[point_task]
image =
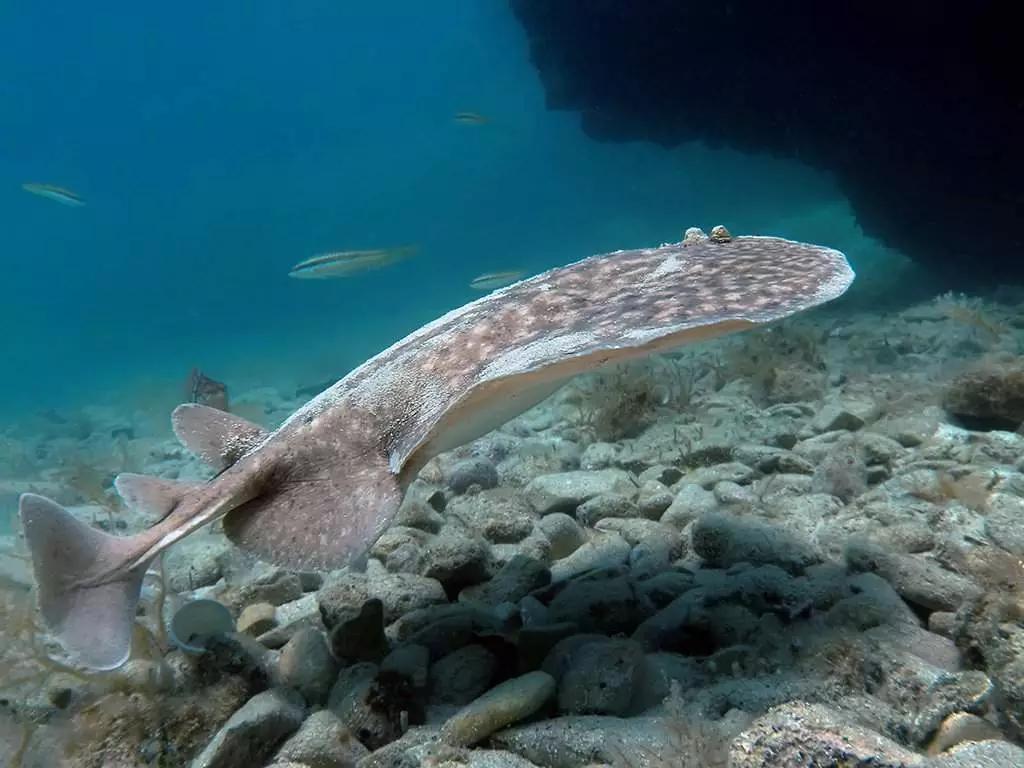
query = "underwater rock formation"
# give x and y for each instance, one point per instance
(913, 107)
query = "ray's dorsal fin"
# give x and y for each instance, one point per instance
(153, 496)
(217, 437)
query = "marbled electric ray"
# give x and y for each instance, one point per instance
(318, 491)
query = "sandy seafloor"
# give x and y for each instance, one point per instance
(797, 546)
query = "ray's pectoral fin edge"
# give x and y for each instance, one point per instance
(321, 519)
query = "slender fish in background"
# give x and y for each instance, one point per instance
(316, 493)
(344, 263)
(61, 195)
(491, 280)
(471, 118)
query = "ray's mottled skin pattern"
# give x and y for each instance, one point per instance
(319, 491)
(616, 300)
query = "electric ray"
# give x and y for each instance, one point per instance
(317, 492)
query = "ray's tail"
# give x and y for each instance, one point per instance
(93, 620)
(88, 582)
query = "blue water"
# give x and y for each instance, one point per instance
(217, 144)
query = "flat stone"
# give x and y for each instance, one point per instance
(564, 491)
(257, 618)
(812, 734)
(323, 741)
(251, 735)
(503, 705)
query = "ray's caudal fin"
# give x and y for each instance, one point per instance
(93, 619)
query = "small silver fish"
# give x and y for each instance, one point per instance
(344, 263)
(471, 118)
(61, 195)
(488, 281)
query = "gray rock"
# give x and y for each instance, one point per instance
(399, 592)
(445, 628)
(960, 727)
(477, 471)
(500, 516)
(411, 662)
(277, 588)
(664, 629)
(651, 557)
(359, 635)
(603, 551)
(662, 677)
(405, 592)
(771, 459)
(653, 499)
(399, 548)
(599, 456)
(662, 588)
(565, 491)
(251, 735)
(969, 691)
(533, 612)
(917, 579)
(842, 473)
(563, 532)
(642, 531)
(194, 563)
(291, 618)
(812, 734)
(257, 619)
(456, 561)
(605, 606)
(1000, 642)
(690, 502)
(730, 494)
(848, 413)
(986, 754)
(535, 643)
(461, 676)
(575, 740)
(564, 652)
(724, 540)
(520, 576)
(444, 754)
(307, 666)
(942, 623)
(660, 473)
(503, 705)
(605, 505)
(601, 679)
(1004, 522)
(872, 603)
(534, 547)
(418, 513)
(935, 649)
(708, 477)
(405, 558)
(367, 707)
(879, 449)
(238, 654)
(323, 741)
(817, 447)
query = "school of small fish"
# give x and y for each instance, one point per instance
(335, 264)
